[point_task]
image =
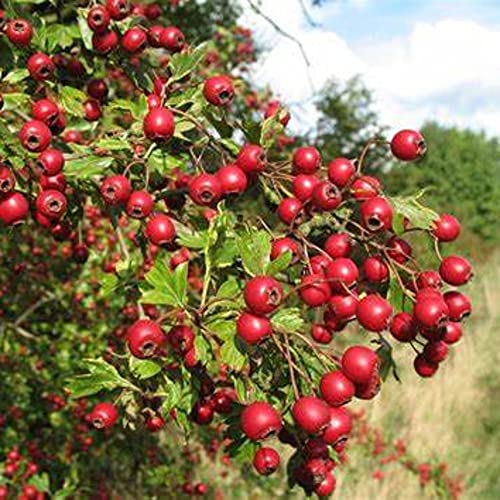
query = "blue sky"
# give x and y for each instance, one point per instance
(422, 59)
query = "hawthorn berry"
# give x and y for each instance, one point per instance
(172, 39)
(303, 186)
(459, 305)
(336, 389)
(144, 338)
(251, 159)
(259, 420)
(45, 111)
(40, 66)
(116, 189)
(19, 32)
(374, 313)
(339, 426)
(359, 364)
(314, 290)
(160, 229)
(424, 367)
(431, 312)
(403, 327)
(181, 338)
(455, 270)
(376, 214)
(366, 187)
(98, 18)
(321, 334)
(105, 42)
(51, 161)
(435, 351)
(139, 204)
(205, 189)
(399, 250)
(14, 208)
(7, 180)
(311, 414)
(35, 136)
(251, 328)
(343, 306)
(446, 228)
(103, 415)
(118, 9)
(306, 160)
(341, 171)
(52, 204)
(280, 246)
(338, 245)
(375, 270)
(266, 460)
(232, 178)
(453, 333)
(154, 35)
(290, 210)
(134, 40)
(408, 145)
(262, 294)
(326, 196)
(159, 124)
(342, 274)
(219, 90)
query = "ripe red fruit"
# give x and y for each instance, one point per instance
(251, 328)
(266, 460)
(40, 66)
(374, 313)
(431, 312)
(7, 180)
(342, 274)
(19, 32)
(446, 228)
(398, 249)
(369, 390)
(104, 415)
(314, 290)
(52, 204)
(321, 334)
(273, 108)
(92, 110)
(172, 39)
(160, 229)
(202, 412)
(251, 159)
(14, 208)
(429, 279)
(134, 40)
(306, 160)
(326, 196)
(326, 487)
(222, 400)
(219, 90)
(282, 245)
(319, 263)
(343, 306)
(205, 189)
(311, 414)
(459, 306)
(57, 182)
(339, 426)
(424, 367)
(366, 187)
(80, 253)
(290, 210)
(435, 351)
(455, 270)
(155, 423)
(408, 145)
(105, 42)
(35, 136)
(341, 171)
(45, 111)
(303, 186)
(181, 338)
(51, 161)
(359, 364)
(263, 294)
(453, 333)
(336, 389)
(403, 327)
(338, 245)
(233, 180)
(139, 205)
(259, 420)
(159, 124)
(144, 338)
(376, 214)
(116, 189)
(118, 9)
(98, 18)
(375, 270)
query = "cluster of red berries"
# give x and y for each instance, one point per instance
(19, 469)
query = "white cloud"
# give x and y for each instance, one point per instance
(447, 70)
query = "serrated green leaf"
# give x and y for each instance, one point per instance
(72, 99)
(83, 26)
(109, 284)
(189, 238)
(202, 348)
(225, 253)
(168, 287)
(232, 355)
(229, 289)
(230, 145)
(181, 64)
(242, 451)
(224, 329)
(40, 482)
(83, 168)
(16, 76)
(288, 320)
(254, 248)
(271, 130)
(113, 144)
(395, 294)
(163, 162)
(173, 391)
(279, 264)
(15, 100)
(143, 368)
(420, 216)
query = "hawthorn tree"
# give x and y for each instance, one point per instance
(170, 262)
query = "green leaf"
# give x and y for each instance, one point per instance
(278, 265)
(85, 31)
(162, 162)
(174, 393)
(224, 329)
(225, 253)
(58, 35)
(143, 368)
(255, 247)
(83, 168)
(229, 289)
(109, 284)
(230, 145)
(168, 287)
(271, 130)
(16, 76)
(41, 482)
(72, 100)
(395, 294)
(420, 216)
(182, 64)
(113, 144)
(232, 355)
(190, 238)
(242, 450)
(101, 375)
(241, 390)
(15, 100)
(387, 363)
(288, 320)
(202, 348)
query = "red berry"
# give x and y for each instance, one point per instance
(7, 180)
(375, 270)
(429, 279)
(399, 250)
(282, 245)
(326, 196)
(343, 306)
(455, 270)
(181, 338)
(311, 414)
(45, 111)
(134, 40)
(342, 274)
(326, 487)
(376, 214)
(14, 208)
(459, 305)
(159, 124)
(160, 229)
(403, 327)
(139, 205)
(339, 426)
(359, 364)
(306, 160)
(51, 204)
(314, 290)
(273, 108)
(251, 159)
(104, 415)
(154, 35)
(259, 420)
(435, 351)
(155, 423)
(266, 460)
(19, 32)
(374, 313)
(40, 66)
(303, 186)
(35, 136)
(219, 90)
(366, 187)
(263, 294)
(92, 110)
(144, 338)
(338, 245)
(116, 189)
(290, 210)
(431, 312)
(424, 367)
(98, 18)
(251, 328)
(118, 9)
(408, 145)
(321, 334)
(453, 333)
(341, 171)
(51, 161)
(446, 228)
(233, 180)
(319, 263)
(105, 42)
(336, 389)
(172, 39)
(205, 189)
